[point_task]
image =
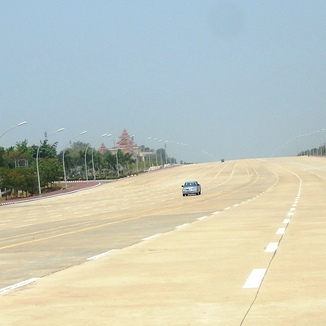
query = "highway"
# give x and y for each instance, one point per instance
(249, 251)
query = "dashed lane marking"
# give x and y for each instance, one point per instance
(280, 231)
(18, 285)
(272, 247)
(182, 226)
(152, 237)
(255, 278)
(103, 254)
(201, 218)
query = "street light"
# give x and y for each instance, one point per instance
(37, 159)
(63, 156)
(93, 167)
(104, 135)
(116, 156)
(150, 138)
(18, 125)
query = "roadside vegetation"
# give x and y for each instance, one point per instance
(18, 166)
(320, 151)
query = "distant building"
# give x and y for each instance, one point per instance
(126, 144)
(103, 149)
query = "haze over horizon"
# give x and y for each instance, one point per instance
(232, 79)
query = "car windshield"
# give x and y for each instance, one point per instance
(189, 184)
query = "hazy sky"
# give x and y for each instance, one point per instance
(232, 79)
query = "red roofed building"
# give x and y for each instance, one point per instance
(126, 144)
(103, 149)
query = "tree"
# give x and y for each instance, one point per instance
(74, 160)
(50, 171)
(2, 157)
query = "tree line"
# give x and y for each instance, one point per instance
(320, 151)
(18, 166)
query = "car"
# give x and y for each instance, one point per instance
(191, 188)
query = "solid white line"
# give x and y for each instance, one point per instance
(280, 231)
(255, 278)
(181, 226)
(17, 285)
(272, 247)
(102, 254)
(152, 237)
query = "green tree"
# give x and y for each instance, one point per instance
(50, 171)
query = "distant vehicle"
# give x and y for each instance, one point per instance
(191, 188)
(222, 160)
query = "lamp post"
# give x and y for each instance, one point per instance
(104, 135)
(63, 157)
(116, 156)
(150, 138)
(166, 155)
(18, 125)
(37, 159)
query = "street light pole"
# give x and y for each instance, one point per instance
(104, 135)
(116, 156)
(63, 157)
(18, 125)
(37, 160)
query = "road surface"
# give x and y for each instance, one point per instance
(249, 251)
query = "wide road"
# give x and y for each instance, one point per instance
(249, 251)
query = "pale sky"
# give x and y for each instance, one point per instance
(231, 79)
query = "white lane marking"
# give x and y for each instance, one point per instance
(255, 278)
(102, 254)
(217, 212)
(235, 205)
(290, 214)
(292, 209)
(201, 218)
(286, 221)
(272, 247)
(152, 237)
(280, 231)
(227, 208)
(17, 285)
(181, 226)
(22, 226)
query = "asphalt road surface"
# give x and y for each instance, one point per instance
(250, 250)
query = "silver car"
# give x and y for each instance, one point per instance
(191, 188)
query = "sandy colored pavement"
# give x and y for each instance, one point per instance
(197, 273)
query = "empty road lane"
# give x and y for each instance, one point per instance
(247, 251)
